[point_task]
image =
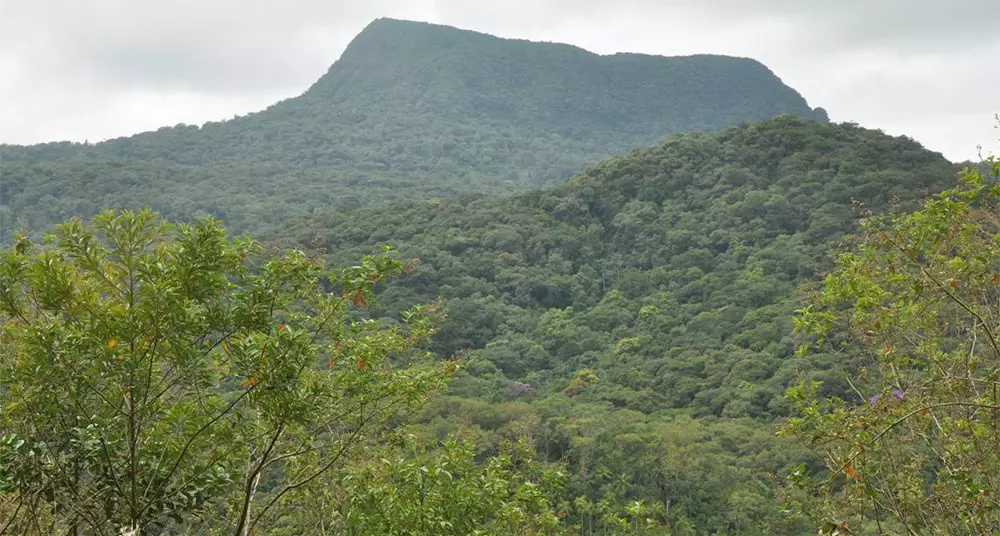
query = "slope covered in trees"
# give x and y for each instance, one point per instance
(635, 321)
(411, 110)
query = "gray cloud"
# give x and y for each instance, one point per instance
(98, 68)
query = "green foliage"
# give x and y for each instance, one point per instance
(435, 490)
(912, 309)
(663, 272)
(657, 285)
(410, 111)
(155, 377)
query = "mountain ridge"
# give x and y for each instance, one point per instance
(384, 32)
(410, 110)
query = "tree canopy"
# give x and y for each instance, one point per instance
(154, 377)
(599, 316)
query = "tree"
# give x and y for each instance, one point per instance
(155, 378)
(437, 489)
(913, 309)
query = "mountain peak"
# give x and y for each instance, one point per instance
(442, 70)
(386, 30)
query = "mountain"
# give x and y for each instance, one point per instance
(411, 110)
(714, 231)
(636, 320)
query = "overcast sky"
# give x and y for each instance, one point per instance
(94, 69)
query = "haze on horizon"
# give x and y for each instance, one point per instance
(107, 68)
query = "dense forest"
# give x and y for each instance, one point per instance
(638, 318)
(672, 271)
(411, 110)
(497, 287)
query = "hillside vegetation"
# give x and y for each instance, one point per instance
(410, 111)
(599, 316)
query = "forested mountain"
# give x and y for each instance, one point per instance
(636, 320)
(623, 324)
(411, 110)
